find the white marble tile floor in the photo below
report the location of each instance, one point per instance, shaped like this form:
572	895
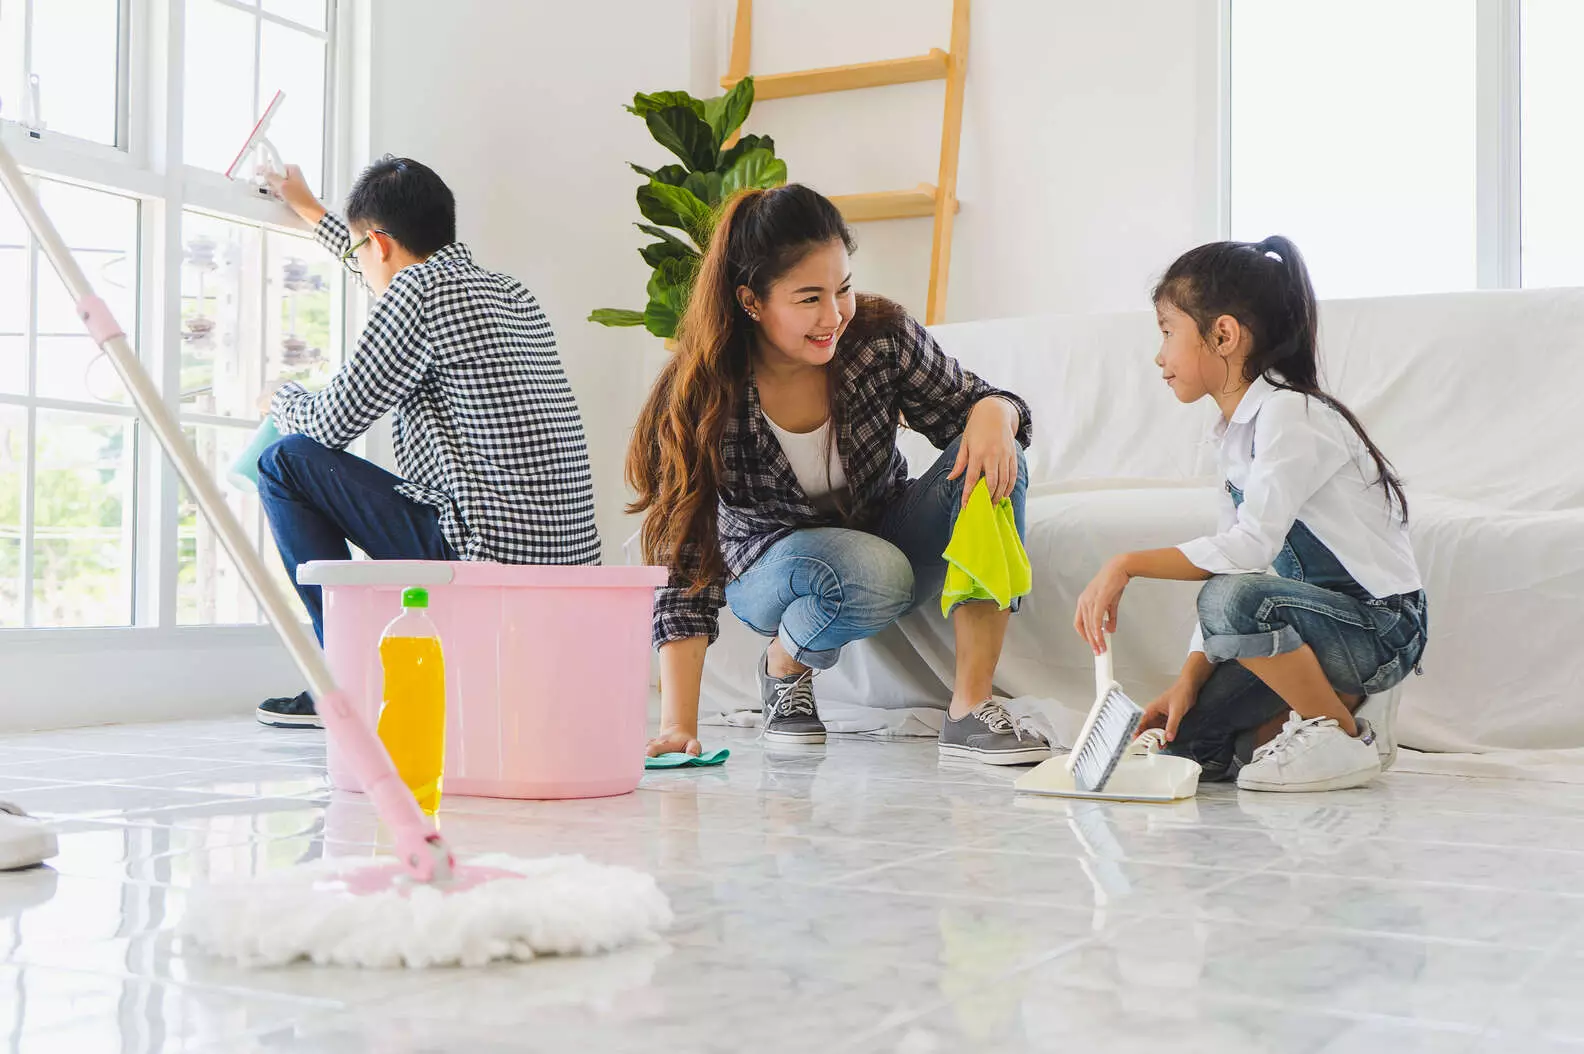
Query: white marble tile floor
861	897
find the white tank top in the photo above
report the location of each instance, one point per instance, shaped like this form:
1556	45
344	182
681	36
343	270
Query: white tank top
815	462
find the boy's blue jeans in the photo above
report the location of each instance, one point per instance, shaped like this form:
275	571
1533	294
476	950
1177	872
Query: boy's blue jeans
821	588
317	500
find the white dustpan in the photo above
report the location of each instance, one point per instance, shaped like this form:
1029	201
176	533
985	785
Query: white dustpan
1141	774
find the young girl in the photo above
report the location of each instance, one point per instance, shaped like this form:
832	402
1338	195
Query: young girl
766	462
1309	496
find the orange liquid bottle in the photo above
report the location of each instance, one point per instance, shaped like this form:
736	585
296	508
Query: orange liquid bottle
412	717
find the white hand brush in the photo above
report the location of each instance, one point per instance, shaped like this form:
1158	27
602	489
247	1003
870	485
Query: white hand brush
1107	731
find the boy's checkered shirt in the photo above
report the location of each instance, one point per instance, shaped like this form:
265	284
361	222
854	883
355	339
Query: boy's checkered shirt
486	431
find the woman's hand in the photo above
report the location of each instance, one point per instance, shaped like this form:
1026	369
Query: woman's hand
1167	710
1097	607
988	449
675	740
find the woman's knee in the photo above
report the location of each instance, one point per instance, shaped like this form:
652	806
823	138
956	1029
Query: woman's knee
875	583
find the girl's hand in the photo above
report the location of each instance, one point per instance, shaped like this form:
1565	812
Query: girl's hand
1168	709
1097	607
988	449
675	740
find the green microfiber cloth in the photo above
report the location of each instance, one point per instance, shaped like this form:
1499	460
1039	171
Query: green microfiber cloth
676	761
985	557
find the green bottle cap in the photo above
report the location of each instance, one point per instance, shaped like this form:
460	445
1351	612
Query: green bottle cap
415	598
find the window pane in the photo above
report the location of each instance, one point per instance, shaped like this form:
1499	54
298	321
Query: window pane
304	281
13	449
13	365
13	287
82	521
76	46
222	367
294	62
209	589
1553	153
1353	133
12	26
13	290
101	230
218	90
308	12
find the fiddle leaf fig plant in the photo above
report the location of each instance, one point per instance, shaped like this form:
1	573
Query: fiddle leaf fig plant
679	202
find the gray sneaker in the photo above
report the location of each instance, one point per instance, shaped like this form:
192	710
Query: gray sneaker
993	736
790	713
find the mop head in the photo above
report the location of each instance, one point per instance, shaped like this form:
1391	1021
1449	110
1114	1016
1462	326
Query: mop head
562	905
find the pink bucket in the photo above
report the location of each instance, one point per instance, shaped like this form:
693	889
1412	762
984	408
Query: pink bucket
547	668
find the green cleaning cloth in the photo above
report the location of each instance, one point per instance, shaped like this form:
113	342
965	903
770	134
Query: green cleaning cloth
985	557
676	761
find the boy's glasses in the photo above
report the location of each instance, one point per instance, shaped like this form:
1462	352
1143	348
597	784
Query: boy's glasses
349	258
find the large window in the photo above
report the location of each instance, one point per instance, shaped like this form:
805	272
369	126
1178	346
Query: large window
1409	145
220	291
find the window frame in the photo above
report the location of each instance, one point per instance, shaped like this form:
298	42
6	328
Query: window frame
1498	148
147	164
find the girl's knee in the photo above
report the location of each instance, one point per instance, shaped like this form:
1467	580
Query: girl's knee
1229	605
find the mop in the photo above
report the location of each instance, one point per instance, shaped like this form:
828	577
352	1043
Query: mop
424	908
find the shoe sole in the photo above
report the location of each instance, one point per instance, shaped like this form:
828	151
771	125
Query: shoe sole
798	738
1027	756
274	720
1345	782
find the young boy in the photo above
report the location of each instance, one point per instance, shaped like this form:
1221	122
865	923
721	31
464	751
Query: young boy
489	443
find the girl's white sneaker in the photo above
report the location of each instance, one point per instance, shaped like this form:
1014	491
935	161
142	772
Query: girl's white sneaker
1311	754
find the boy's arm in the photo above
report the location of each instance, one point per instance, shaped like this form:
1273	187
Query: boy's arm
391	357
332	232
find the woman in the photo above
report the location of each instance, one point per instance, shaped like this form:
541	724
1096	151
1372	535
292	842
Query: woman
766	462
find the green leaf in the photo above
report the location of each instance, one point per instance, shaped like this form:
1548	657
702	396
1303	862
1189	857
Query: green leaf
643	105
756	168
675	175
656	254
706	186
616	316
726	113
661	320
746	144
669	288
667	236
654	210
685	134
689	213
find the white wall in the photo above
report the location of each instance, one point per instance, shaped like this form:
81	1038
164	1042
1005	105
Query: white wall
1089	147
518	106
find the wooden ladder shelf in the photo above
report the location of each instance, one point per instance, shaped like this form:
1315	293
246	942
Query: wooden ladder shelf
939	199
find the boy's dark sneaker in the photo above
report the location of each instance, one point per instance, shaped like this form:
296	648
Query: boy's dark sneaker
296	712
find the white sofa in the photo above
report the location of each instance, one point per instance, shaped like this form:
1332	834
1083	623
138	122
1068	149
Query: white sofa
1477	397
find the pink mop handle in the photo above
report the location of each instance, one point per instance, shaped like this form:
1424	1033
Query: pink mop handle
418	844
